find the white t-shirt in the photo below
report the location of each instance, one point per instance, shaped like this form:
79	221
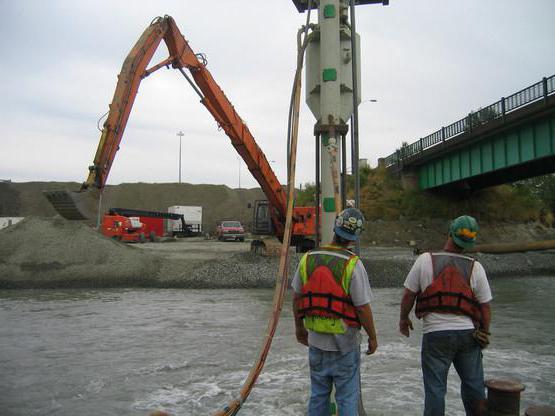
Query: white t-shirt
421	276
361	294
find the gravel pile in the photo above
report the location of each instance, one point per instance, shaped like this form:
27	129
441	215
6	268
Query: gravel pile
54	253
389	266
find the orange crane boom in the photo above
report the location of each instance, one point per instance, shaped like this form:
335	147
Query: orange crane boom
181	57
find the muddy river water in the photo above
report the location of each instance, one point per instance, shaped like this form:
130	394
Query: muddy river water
127	352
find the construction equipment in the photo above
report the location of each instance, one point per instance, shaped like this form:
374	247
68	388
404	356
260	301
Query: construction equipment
80	205
152	222
124	229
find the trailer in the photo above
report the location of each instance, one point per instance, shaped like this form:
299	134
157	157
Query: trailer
192	215
153	222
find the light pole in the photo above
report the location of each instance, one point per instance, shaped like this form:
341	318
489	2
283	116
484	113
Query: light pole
239	170
180	134
354	146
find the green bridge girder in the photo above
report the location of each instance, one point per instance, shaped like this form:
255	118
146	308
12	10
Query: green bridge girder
533	142
508	140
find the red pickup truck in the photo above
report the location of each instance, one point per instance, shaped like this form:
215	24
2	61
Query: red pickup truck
230	230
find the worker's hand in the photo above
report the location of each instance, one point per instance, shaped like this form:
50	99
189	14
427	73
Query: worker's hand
405	326
372	346
482	337
302	335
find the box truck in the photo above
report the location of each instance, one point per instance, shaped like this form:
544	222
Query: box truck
192	216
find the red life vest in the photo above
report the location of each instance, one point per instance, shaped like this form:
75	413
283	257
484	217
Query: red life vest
325	274
450	290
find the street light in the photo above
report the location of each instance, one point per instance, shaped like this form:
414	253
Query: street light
180	134
239	160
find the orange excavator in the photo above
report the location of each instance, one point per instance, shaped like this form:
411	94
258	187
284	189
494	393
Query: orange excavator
78	205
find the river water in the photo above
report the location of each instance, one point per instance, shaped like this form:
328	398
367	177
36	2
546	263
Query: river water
127	352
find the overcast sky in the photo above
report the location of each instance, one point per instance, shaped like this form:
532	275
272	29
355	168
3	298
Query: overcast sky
427	62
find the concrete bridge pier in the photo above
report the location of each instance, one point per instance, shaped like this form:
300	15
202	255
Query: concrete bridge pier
409	179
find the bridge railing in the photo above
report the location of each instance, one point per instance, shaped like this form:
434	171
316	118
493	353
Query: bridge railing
538	91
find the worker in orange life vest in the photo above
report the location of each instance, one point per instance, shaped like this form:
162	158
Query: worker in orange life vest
330	305
452	297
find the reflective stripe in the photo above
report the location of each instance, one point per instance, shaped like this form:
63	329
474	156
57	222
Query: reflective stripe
325	325
302	269
346	280
331	253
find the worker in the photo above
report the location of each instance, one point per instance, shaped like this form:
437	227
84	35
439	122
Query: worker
331	302
452	297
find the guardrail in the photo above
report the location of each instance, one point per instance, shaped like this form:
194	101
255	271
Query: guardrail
538	91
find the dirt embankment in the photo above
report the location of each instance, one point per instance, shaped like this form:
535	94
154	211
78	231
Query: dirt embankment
46	251
52	253
218	202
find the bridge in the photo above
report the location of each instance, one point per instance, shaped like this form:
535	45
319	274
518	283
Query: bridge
509	140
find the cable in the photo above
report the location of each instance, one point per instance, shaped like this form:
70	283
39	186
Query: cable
233	407
98	122
301	47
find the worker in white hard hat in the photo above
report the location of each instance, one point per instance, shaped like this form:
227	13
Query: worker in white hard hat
331	304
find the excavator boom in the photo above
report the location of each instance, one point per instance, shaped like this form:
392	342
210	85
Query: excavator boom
134	69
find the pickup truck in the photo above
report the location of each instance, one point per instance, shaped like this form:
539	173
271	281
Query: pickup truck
230	230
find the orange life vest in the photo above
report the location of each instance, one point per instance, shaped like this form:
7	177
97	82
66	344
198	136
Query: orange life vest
450	290
326	276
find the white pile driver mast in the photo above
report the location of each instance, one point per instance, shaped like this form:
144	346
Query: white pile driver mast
332	94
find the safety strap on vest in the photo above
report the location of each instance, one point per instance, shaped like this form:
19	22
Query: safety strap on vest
441	306
331	298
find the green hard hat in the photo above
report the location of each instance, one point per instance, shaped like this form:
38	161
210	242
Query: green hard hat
463	230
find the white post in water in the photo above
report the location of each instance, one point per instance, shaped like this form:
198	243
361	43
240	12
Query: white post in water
329	96
330	104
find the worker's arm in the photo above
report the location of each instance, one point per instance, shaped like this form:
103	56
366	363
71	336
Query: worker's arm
300	331
486	315
407	302
364	313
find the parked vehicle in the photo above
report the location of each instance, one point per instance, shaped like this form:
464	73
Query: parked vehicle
230	230
192	215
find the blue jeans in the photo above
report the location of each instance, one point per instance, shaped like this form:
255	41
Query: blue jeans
329	368
440	349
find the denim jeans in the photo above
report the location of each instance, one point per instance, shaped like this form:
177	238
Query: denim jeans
329	368
440	349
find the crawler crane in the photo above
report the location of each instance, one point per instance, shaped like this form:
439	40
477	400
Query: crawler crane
77	205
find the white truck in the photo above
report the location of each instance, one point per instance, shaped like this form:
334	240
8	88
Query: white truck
193	220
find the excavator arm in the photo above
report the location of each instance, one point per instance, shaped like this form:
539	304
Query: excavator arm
181	57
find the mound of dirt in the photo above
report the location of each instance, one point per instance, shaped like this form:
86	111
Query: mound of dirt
46	252
431	233
218	202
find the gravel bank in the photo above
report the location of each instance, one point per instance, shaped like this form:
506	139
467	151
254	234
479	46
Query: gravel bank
55	253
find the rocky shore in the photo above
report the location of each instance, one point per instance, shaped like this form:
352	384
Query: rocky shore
55	253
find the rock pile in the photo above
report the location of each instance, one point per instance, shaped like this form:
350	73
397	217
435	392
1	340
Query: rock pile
47	252
55	253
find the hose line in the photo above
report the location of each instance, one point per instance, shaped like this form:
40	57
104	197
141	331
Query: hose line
233	407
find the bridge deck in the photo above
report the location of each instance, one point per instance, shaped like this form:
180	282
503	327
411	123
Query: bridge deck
509	140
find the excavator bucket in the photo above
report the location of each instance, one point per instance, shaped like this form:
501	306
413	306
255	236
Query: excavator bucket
74	205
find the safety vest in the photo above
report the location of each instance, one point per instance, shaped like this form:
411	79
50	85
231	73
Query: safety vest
450	290
325	303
